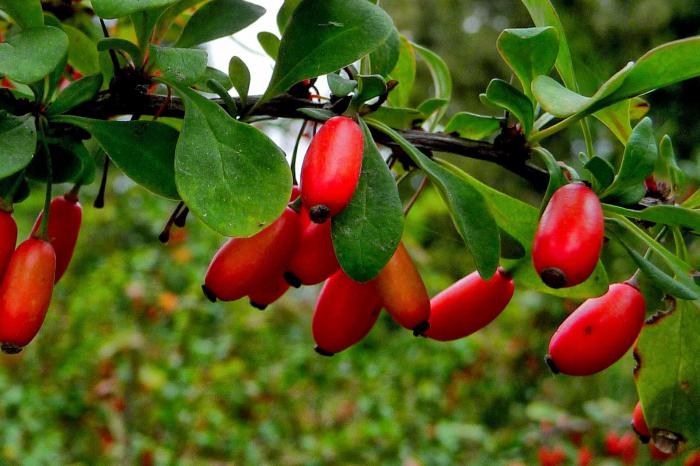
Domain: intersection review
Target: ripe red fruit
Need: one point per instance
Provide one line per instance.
(268, 292)
(65, 216)
(243, 264)
(551, 456)
(403, 292)
(468, 305)
(331, 168)
(314, 259)
(345, 312)
(8, 239)
(692, 460)
(598, 333)
(25, 293)
(569, 237)
(612, 444)
(639, 424)
(584, 456)
(657, 454)
(628, 448)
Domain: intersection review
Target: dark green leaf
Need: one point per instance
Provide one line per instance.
(218, 18)
(442, 79)
(368, 231)
(384, 58)
(31, 54)
(232, 176)
(119, 8)
(319, 114)
(398, 117)
(66, 162)
(473, 126)
(340, 86)
(182, 66)
(324, 36)
(501, 94)
(671, 215)
(7, 185)
(370, 87)
(285, 13)
(602, 171)
(218, 76)
(143, 150)
(668, 157)
(82, 53)
(77, 93)
(26, 13)
(239, 75)
(270, 43)
(17, 142)
(114, 43)
(405, 73)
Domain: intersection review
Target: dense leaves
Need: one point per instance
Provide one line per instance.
(218, 18)
(31, 54)
(17, 142)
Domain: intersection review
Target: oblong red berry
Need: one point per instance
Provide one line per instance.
(569, 237)
(345, 312)
(243, 264)
(25, 293)
(331, 168)
(403, 292)
(8, 239)
(598, 332)
(65, 217)
(268, 292)
(314, 259)
(469, 305)
(639, 424)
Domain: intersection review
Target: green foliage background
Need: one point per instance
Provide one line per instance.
(133, 361)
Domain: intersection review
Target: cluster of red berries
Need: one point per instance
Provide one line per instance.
(29, 272)
(297, 249)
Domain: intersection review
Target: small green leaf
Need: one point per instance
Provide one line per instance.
(179, 65)
(31, 54)
(368, 231)
(442, 79)
(671, 215)
(369, 87)
(78, 92)
(602, 171)
(501, 94)
(668, 157)
(432, 105)
(17, 142)
(218, 76)
(340, 86)
(239, 75)
(112, 9)
(318, 114)
(218, 18)
(26, 13)
(529, 52)
(405, 73)
(325, 35)
(270, 43)
(473, 126)
(232, 176)
(82, 53)
(68, 159)
(114, 43)
(285, 13)
(143, 150)
(384, 58)
(556, 177)
(398, 117)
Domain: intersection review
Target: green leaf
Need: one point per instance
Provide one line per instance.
(26, 13)
(398, 117)
(637, 162)
(384, 58)
(78, 92)
(617, 118)
(324, 36)
(340, 86)
(31, 54)
(668, 157)
(442, 79)
(285, 13)
(114, 43)
(318, 114)
(501, 94)
(68, 159)
(143, 150)
(17, 142)
(270, 43)
(367, 232)
(239, 75)
(218, 76)
(469, 210)
(529, 52)
(181, 66)
(473, 126)
(602, 171)
(218, 18)
(369, 87)
(232, 176)
(112, 9)
(432, 105)
(405, 73)
(556, 177)
(82, 53)
(669, 370)
(671, 215)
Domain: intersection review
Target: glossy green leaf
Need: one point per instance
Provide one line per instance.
(556, 176)
(398, 117)
(26, 13)
(603, 172)
(179, 65)
(218, 18)
(82, 52)
(501, 94)
(671, 215)
(69, 160)
(111, 9)
(669, 370)
(529, 52)
(404, 73)
(369, 87)
(668, 157)
(367, 232)
(143, 150)
(114, 43)
(617, 118)
(432, 105)
(78, 92)
(339, 85)
(637, 162)
(473, 126)
(218, 76)
(285, 13)
(324, 36)
(232, 176)
(270, 43)
(384, 58)
(31, 54)
(168, 14)
(239, 74)
(17, 142)
(318, 114)
(469, 210)
(442, 79)
(144, 23)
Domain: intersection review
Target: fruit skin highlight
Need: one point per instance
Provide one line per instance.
(314, 259)
(65, 217)
(345, 312)
(569, 237)
(241, 265)
(25, 293)
(8, 239)
(598, 333)
(403, 292)
(469, 305)
(331, 168)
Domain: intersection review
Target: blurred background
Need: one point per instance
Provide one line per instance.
(135, 366)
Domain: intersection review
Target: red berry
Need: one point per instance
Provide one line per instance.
(598, 333)
(25, 293)
(314, 259)
(8, 239)
(628, 448)
(403, 292)
(639, 424)
(65, 216)
(657, 454)
(693, 459)
(612, 444)
(268, 292)
(468, 305)
(345, 312)
(569, 237)
(331, 168)
(584, 456)
(551, 456)
(243, 264)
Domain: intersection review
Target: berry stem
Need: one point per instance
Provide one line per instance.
(296, 150)
(415, 196)
(112, 54)
(100, 198)
(44, 230)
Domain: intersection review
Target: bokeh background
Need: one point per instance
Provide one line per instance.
(134, 366)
